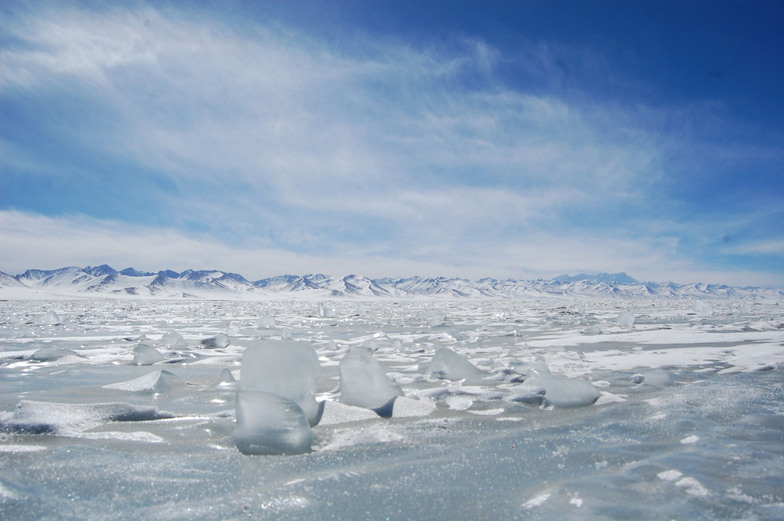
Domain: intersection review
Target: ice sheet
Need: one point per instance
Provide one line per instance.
(688, 423)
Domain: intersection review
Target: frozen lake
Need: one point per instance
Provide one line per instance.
(689, 421)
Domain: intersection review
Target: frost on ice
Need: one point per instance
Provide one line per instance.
(364, 383)
(32, 417)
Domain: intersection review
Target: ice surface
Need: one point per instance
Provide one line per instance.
(270, 424)
(688, 424)
(448, 365)
(412, 408)
(288, 369)
(364, 383)
(146, 355)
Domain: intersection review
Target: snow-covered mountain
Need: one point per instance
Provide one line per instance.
(105, 280)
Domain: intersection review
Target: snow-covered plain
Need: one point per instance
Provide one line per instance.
(553, 409)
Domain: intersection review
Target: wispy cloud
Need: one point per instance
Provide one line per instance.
(81, 241)
(263, 138)
(775, 247)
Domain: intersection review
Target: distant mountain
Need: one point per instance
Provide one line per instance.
(105, 280)
(7, 281)
(613, 278)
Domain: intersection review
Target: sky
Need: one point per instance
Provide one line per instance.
(475, 139)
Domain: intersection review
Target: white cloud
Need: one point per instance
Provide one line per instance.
(83, 241)
(199, 100)
(770, 247)
(336, 157)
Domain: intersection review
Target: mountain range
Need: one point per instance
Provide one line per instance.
(105, 280)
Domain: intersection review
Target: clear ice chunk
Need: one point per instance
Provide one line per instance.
(50, 319)
(270, 424)
(227, 382)
(591, 330)
(288, 369)
(626, 320)
(172, 339)
(656, 377)
(50, 354)
(156, 382)
(448, 365)
(146, 355)
(529, 392)
(563, 392)
(266, 322)
(219, 340)
(364, 383)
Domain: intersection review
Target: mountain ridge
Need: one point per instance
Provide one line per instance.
(105, 280)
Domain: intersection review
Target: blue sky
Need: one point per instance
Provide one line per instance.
(502, 139)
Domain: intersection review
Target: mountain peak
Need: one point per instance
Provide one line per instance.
(100, 271)
(132, 272)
